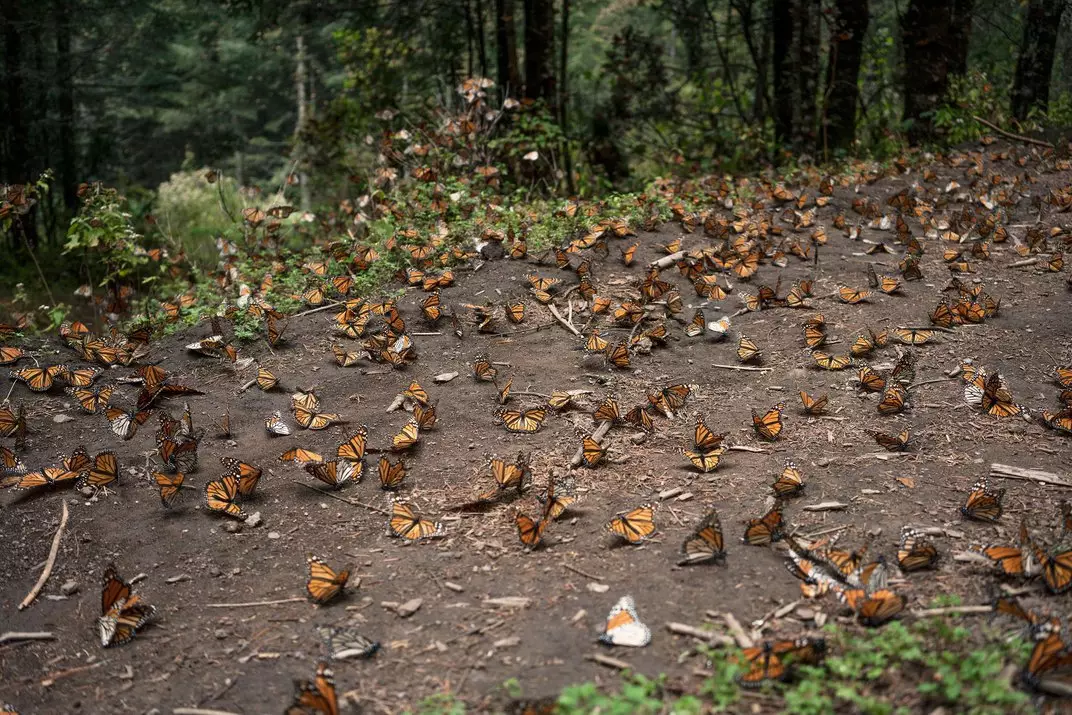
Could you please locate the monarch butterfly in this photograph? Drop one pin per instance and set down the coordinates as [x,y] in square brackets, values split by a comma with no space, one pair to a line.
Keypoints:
[790,482]
[916,551]
[425,416]
[706,460]
[483,369]
[1056,568]
[123,423]
[763,665]
[266,380]
[221,495]
[504,393]
[1063,375]
[1049,654]
[10,422]
[515,311]
[814,405]
[982,503]
[10,463]
[607,411]
[544,284]
[38,379]
[769,425]
[623,626]
[47,477]
[914,336]
[704,437]
[628,253]
[997,399]
[170,487]
[122,613]
[335,473]
[353,448]
[1056,262]
[247,474]
[275,425]
[767,528]
[628,313]
[301,456]
[600,304]
[527,421]
[830,362]
[317,697]
[896,443]
[657,333]
[324,582]
[10,354]
[709,287]
[862,345]
[640,417]
[796,296]
[852,295]
[635,525]
[275,329]
[78,461]
[344,643]
[894,399]
[178,456]
[870,380]
[1060,421]
[557,498]
[391,475]
[529,530]
[315,420]
[705,543]
[594,343]
[747,350]
[1041,627]
[872,609]
[91,401]
[696,327]
[670,398]
[407,437]
[559,400]
[904,372]
[409,525]
[591,452]
[80,377]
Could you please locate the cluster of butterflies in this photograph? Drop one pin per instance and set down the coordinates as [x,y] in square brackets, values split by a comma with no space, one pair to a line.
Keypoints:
[79,470]
[1027,558]
[1051,655]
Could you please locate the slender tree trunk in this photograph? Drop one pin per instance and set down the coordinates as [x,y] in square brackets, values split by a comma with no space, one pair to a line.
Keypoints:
[563,96]
[68,161]
[843,73]
[301,76]
[481,44]
[539,51]
[807,14]
[1031,87]
[757,50]
[925,35]
[506,49]
[469,38]
[781,28]
[960,36]
[13,169]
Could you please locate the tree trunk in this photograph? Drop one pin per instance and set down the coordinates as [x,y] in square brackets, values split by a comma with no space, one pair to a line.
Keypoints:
[506,48]
[807,34]
[301,75]
[469,39]
[925,36]
[563,96]
[757,50]
[843,72]
[1031,87]
[68,161]
[960,36]
[781,26]
[481,46]
[539,51]
[13,168]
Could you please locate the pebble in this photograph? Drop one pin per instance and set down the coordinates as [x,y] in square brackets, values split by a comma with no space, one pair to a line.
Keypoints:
[805,613]
[254,520]
[232,527]
[457,588]
[220,633]
[507,642]
[69,587]
[410,607]
[824,462]
[60,419]
[273,534]
[597,587]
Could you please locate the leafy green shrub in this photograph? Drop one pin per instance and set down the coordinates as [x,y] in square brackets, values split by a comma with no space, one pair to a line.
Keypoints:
[192,213]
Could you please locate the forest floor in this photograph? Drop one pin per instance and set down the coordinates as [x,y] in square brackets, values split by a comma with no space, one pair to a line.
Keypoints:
[489,611]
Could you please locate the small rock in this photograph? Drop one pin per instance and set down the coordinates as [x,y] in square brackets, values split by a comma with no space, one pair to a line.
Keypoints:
[60,419]
[176,579]
[457,588]
[824,462]
[273,534]
[69,587]
[685,497]
[254,520]
[445,377]
[805,613]
[597,587]
[579,615]
[507,642]
[410,607]
[232,527]
[220,633]
[670,493]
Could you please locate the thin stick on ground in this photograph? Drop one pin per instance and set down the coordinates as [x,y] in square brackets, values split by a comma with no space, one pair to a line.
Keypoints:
[13,636]
[597,437]
[326,306]
[576,570]
[608,661]
[352,502]
[48,564]
[53,677]
[201,711]
[929,382]
[926,612]
[1010,135]
[251,604]
[743,368]
[565,323]
[1007,471]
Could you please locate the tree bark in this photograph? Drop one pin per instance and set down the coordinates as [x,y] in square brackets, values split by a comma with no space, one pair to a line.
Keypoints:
[925,36]
[470,39]
[960,36]
[301,76]
[781,27]
[807,34]
[13,169]
[68,161]
[506,48]
[539,51]
[1031,86]
[563,97]
[843,72]
[481,45]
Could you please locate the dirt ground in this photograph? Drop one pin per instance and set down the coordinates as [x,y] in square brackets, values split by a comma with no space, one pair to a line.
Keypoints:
[242,658]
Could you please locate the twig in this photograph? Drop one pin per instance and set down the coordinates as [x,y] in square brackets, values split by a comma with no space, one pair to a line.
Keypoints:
[1010,135]
[49,679]
[683,629]
[12,636]
[247,385]
[826,506]
[926,612]
[597,437]
[532,394]
[929,382]
[742,638]
[1055,687]
[576,570]
[423,335]
[667,260]
[1024,262]
[48,564]
[746,448]
[200,711]
[352,502]
[744,368]
[565,323]
[319,308]
[293,599]
[608,661]
[1006,471]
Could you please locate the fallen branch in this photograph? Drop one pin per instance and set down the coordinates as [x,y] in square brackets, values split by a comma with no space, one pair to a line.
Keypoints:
[326,306]
[926,612]
[1023,263]
[48,564]
[667,260]
[352,502]
[1010,135]
[746,448]
[597,437]
[608,661]
[425,335]
[1006,471]
[576,570]
[683,629]
[743,368]
[276,602]
[50,679]
[826,506]
[742,638]
[929,382]
[558,316]
[12,636]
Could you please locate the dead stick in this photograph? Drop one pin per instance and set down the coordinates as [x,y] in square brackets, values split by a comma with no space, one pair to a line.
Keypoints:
[743,368]
[576,570]
[200,711]
[929,382]
[247,385]
[352,502]
[667,260]
[49,679]
[925,612]
[746,448]
[293,599]
[12,636]
[326,306]
[532,394]
[48,564]
[1024,263]
[608,661]
[597,437]
[684,629]
[1007,471]
[742,638]
[559,318]
[424,335]
[1010,135]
